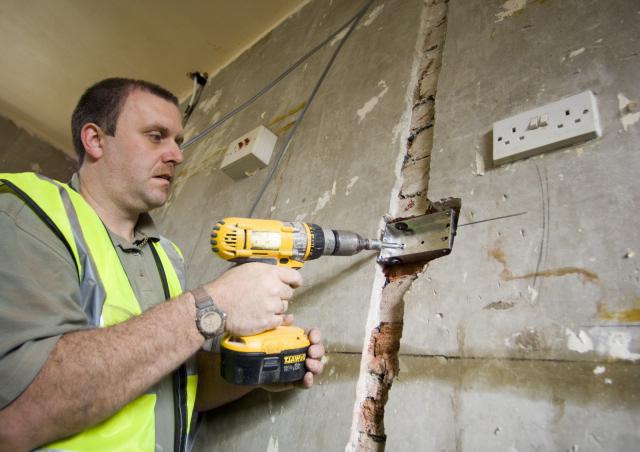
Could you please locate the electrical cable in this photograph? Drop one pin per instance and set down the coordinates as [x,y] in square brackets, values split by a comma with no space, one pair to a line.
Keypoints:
[271,84]
[199,81]
[283,148]
[353,21]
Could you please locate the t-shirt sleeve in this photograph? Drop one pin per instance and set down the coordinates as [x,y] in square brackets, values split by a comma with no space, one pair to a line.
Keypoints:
[39,296]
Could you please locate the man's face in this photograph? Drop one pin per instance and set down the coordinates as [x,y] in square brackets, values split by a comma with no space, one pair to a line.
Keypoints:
[141,158]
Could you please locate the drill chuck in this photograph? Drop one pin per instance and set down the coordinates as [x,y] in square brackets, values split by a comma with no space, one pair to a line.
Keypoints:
[346,243]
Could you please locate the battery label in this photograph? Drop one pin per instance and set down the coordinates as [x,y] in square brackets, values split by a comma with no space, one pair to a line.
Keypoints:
[264,240]
[297,367]
[291,359]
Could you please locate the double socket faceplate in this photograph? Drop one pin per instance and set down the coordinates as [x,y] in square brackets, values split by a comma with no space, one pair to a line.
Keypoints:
[558,124]
[424,238]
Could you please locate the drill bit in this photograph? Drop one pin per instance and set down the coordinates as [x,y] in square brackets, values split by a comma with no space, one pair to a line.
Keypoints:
[373,244]
[398,246]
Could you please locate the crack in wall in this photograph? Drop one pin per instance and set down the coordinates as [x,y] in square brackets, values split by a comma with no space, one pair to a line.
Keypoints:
[380,363]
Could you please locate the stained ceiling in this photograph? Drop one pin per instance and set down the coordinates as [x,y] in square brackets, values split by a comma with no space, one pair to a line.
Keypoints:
[52,50]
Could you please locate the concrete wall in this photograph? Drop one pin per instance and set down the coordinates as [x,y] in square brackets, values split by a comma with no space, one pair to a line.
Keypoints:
[525,337]
[21,151]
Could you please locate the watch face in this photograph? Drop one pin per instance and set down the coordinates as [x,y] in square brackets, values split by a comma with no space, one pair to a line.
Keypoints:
[210,322]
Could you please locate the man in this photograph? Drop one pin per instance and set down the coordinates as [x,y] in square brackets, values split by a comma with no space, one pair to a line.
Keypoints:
[91,358]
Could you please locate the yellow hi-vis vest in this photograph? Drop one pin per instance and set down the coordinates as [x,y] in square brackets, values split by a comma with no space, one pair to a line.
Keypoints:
[108,298]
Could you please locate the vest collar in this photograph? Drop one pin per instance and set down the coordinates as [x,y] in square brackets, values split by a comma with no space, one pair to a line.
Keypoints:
[145,230]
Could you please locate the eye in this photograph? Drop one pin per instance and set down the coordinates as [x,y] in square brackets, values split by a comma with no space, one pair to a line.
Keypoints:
[154,136]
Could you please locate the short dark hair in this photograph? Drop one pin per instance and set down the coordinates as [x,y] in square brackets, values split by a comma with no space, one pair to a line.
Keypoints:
[102,102]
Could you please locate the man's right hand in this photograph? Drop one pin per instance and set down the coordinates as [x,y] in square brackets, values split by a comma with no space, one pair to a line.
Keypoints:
[254,296]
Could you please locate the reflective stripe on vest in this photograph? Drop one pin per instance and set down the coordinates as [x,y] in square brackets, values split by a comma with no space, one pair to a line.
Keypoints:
[107,298]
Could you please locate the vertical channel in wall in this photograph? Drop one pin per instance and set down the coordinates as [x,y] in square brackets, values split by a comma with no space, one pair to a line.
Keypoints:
[380,364]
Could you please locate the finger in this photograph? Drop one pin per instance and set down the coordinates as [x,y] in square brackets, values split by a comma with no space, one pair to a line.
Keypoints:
[290,277]
[314,366]
[287,319]
[307,381]
[316,351]
[285,292]
[314,335]
[285,306]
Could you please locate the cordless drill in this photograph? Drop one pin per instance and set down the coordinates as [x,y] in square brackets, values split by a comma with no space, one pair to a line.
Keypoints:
[277,355]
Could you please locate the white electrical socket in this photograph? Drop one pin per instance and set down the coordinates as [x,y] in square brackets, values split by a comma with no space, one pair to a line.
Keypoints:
[249,153]
[562,123]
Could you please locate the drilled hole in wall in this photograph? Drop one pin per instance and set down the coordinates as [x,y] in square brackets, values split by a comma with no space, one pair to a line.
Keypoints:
[522,137]
[585,111]
[499,138]
[513,129]
[567,112]
[507,142]
[578,120]
[560,126]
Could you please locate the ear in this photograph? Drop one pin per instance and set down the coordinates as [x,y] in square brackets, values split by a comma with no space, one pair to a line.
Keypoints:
[92,139]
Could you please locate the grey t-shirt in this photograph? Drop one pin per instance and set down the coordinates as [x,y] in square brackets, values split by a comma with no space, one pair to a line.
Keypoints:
[40,297]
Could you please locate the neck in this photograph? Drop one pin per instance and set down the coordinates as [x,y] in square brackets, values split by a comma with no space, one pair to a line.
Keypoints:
[118,220]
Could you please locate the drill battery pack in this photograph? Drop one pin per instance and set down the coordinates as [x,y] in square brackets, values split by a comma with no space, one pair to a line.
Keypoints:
[275,356]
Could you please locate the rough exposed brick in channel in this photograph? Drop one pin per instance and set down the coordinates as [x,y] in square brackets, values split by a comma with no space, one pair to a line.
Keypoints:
[383,365]
[382,362]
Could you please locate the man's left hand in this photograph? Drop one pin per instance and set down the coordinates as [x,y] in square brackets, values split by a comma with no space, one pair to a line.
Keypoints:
[313,363]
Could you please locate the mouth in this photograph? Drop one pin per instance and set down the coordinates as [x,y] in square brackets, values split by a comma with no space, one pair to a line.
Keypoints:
[167,177]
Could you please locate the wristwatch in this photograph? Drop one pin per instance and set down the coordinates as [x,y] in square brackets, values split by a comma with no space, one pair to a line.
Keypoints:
[210,319]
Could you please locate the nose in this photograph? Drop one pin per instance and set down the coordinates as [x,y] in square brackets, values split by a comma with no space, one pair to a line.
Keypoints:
[173,154]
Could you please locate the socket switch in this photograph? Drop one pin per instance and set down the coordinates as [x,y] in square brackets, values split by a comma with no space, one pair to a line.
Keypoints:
[249,153]
[568,121]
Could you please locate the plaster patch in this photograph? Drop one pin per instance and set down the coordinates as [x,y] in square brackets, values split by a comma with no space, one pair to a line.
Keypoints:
[338,37]
[509,8]
[533,293]
[35,167]
[608,381]
[371,103]
[373,15]
[480,166]
[397,131]
[273,208]
[615,344]
[333,188]
[273,445]
[300,216]
[626,118]
[577,52]
[580,342]
[324,199]
[352,182]
[208,104]
[599,370]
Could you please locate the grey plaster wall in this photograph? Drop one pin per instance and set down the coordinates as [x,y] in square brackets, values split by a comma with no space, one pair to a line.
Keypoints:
[20,151]
[525,337]
[339,172]
[534,317]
